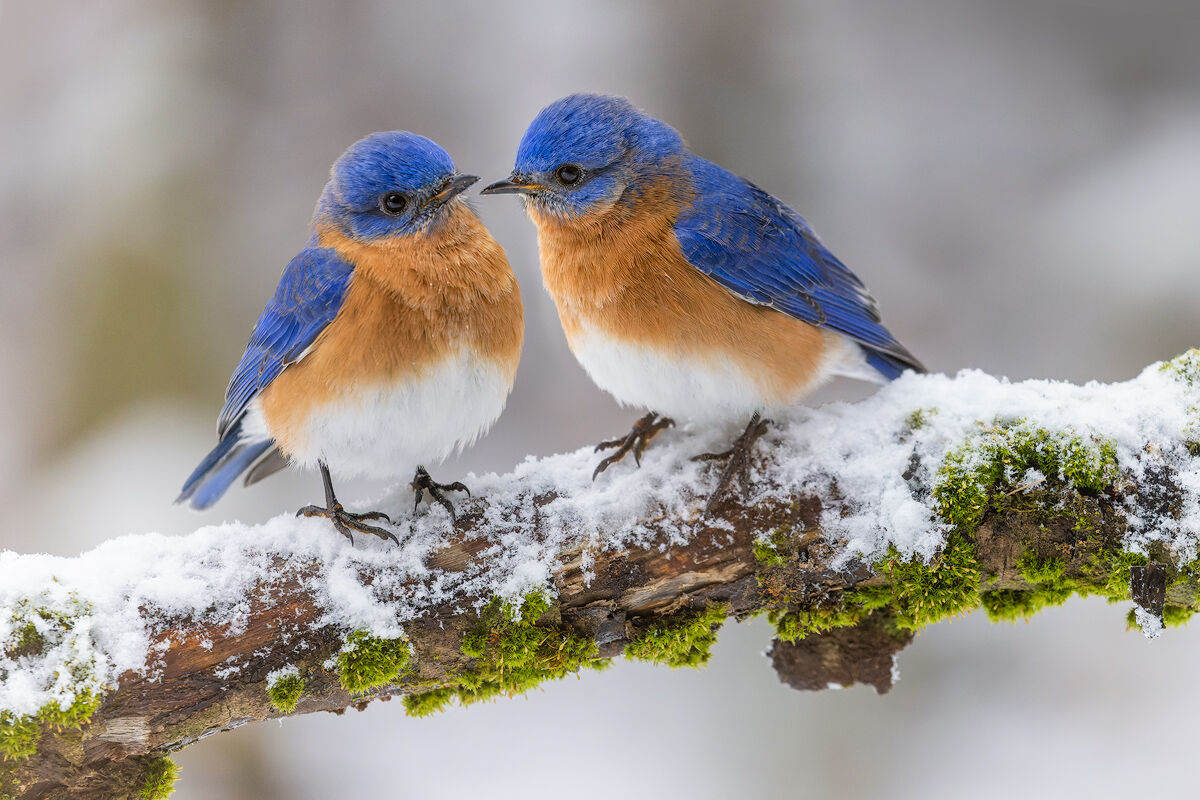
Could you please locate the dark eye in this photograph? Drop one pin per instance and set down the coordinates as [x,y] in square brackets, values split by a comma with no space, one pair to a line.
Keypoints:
[392,203]
[568,174]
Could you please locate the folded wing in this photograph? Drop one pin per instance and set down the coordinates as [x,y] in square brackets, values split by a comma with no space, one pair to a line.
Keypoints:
[308,297]
[764,252]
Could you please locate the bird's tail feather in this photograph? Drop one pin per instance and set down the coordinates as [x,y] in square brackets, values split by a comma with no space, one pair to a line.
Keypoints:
[891,366]
[220,468]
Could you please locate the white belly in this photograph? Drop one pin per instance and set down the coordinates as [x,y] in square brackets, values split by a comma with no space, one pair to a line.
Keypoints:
[385,430]
[695,388]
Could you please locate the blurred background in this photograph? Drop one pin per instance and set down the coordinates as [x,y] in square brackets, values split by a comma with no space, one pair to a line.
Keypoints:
[1018,182]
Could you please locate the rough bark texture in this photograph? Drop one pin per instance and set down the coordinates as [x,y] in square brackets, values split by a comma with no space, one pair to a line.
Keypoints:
[631,591]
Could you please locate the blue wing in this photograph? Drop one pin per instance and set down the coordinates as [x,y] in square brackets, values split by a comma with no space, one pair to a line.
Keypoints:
[308,297]
[764,252]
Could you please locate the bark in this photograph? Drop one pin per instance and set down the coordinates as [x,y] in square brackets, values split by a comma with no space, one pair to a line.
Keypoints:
[609,599]
[630,592]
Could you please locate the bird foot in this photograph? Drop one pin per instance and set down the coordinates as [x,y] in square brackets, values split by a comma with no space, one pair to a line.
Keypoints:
[422,483]
[636,440]
[737,461]
[345,521]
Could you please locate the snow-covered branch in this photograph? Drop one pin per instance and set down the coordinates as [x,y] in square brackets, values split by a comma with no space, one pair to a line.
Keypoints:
[864,522]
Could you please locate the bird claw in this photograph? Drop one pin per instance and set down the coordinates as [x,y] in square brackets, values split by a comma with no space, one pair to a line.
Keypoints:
[737,462]
[636,441]
[345,521]
[422,482]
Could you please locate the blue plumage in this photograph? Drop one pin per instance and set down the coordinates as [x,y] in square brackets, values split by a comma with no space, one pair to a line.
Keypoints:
[395,161]
[308,297]
[232,456]
[763,251]
[745,239]
[580,127]
[388,191]
[649,252]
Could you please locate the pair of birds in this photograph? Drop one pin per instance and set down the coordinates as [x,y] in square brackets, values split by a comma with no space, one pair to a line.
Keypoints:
[394,336]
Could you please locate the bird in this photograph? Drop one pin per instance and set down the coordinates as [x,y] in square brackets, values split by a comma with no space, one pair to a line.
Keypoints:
[392,339]
[683,288]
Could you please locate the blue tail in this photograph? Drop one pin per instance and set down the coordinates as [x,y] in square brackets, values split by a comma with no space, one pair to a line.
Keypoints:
[890,366]
[220,468]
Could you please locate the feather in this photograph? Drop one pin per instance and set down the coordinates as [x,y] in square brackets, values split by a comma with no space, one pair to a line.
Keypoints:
[220,468]
[271,463]
[764,252]
[308,297]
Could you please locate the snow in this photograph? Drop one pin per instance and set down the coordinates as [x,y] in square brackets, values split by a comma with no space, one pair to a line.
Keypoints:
[1150,623]
[861,449]
[124,593]
[275,676]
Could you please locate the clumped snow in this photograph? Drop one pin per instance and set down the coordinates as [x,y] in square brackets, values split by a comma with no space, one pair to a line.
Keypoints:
[118,596]
[864,450]
[1150,623]
[275,676]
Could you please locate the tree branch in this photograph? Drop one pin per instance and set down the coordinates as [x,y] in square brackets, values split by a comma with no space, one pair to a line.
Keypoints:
[863,524]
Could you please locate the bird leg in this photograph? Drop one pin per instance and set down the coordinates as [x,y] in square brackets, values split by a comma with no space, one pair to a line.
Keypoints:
[737,460]
[345,521]
[422,483]
[636,440]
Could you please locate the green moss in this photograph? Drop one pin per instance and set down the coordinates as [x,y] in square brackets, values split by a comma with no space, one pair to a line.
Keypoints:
[1012,467]
[513,649]
[18,736]
[991,467]
[285,691]
[684,640]
[925,593]
[34,629]
[850,608]
[431,702]
[1106,574]
[529,609]
[74,715]
[1052,587]
[917,593]
[27,641]
[1009,467]
[767,550]
[367,661]
[1185,367]
[1117,565]
[1177,616]
[919,418]
[1173,617]
[159,780]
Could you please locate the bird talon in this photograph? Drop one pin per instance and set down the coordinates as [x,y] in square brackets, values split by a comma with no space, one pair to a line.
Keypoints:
[345,521]
[738,463]
[608,444]
[635,441]
[422,483]
[721,456]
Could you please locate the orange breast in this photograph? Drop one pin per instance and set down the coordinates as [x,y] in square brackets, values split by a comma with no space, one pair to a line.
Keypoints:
[411,304]
[623,275]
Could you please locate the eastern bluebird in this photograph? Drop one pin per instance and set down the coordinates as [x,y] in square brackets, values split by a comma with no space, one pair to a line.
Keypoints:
[393,337]
[682,287]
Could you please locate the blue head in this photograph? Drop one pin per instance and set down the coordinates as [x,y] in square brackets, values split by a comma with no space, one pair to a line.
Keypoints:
[390,184]
[583,153]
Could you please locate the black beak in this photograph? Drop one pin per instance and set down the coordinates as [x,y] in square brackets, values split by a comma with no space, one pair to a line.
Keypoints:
[453,188]
[513,184]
